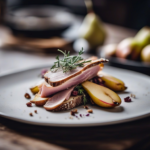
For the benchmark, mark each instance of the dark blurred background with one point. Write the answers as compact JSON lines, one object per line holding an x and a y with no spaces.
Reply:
{"x":44,"y":26}
{"x":128,"y":13}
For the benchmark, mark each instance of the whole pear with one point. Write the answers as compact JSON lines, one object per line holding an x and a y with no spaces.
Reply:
{"x":145,"y":54}
{"x":143,"y":39}
{"x":109,"y":50}
{"x":92,"y":30}
{"x":126,"y":47}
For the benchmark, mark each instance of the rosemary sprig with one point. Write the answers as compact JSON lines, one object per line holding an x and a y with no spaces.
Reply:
{"x":69,"y":63}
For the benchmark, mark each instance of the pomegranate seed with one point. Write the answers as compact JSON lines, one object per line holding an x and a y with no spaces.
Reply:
{"x":95,"y":80}
{"x":127,"y":99}
{"x":80,"y":115}
{"x":87,"y":114}
{"x":29,"y":104}
{"x":102,"y":84}
{"x":74,"y":93}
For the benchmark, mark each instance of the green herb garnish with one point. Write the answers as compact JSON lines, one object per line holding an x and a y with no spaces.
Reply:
{"x":81,"y":91}
{"x":69,"y":63}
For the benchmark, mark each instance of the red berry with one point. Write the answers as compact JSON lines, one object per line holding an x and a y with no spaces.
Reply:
{"x":74,"y":93}
{"x":29,"y":104}
{"x":127,"y":99}
{"x":95,"y":80}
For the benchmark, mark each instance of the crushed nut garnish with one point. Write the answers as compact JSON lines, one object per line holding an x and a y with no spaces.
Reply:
{"x":73,"y":112}
{"x":86,"y":107}
{"x":35,"y":111}
{"x":29,"y":104}
{"x":126,"y":87}
{"x":70,"y":117}
{"x":30,"y":114}
{"x":132,"y":95}
{"x":27,"y":96}
{"x":100,"y":80}
{"x":90,"y":111}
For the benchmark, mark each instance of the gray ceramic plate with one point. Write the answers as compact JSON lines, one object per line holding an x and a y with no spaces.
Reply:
{"x":13,"y":104}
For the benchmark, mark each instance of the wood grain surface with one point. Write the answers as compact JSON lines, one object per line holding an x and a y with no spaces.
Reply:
{"x":126,"y":136}
{"x":18,"y":136}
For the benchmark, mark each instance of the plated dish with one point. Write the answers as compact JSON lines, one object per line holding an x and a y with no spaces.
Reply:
{"x":125,"y":106}
{"x":73,"y":81}
{"x":13,"y":103}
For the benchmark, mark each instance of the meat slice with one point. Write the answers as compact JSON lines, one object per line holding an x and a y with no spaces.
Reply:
{"x":47,"y":90}
{"x":57,"y":78}
{"x":58,"y":99}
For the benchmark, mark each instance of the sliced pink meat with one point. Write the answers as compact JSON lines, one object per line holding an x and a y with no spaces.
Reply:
{"x":59,"y":77}
{"x":58,"y":99}
{"x":48,"y":90}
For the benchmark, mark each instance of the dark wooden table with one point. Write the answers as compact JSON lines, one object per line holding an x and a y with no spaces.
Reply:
{"x":19,"y":136}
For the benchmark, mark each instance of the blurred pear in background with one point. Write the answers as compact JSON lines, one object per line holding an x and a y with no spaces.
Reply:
{"x":92,"y":29}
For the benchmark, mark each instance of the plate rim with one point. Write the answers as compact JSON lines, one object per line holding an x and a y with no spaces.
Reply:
{"x":74,"y":124}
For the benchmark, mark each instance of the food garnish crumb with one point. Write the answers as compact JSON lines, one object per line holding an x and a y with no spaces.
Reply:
{"x":80,"y":115}
{"x":87,"y":114}
{"x":132,"y":95}
{"x":35,"y":111}
{"x":27,"y":96}
{"x":90,"y":111}
{"x":30,"y":114}
{"x":86,"y":107}
{"x":74,"y":93}
{"x":77,"y":116}
{"x":71,"y":117}
{"x":29,"y":104}
{"x":73,"y":112}
{"x":127,"y":99}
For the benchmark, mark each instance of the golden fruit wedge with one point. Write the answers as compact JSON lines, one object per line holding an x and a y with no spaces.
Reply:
{"x":101,"y":95}
{"x":38,"y":100}
{"x":34,"y":89}
{"x":111,"y":82}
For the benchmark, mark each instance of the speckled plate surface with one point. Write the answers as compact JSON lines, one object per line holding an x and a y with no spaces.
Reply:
{"x":13,"y":103}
